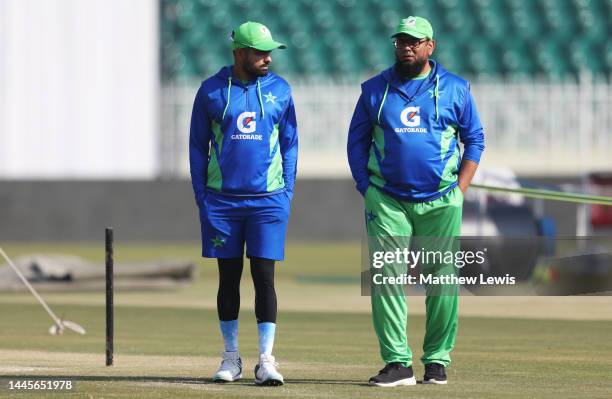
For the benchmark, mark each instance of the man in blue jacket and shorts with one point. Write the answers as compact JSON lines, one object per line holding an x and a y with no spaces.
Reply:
{"x":243,"y":154}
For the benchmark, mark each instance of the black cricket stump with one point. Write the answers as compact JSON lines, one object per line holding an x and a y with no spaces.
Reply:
{"x":109,"y":296}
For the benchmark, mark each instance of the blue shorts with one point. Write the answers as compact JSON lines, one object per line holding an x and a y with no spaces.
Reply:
{"x":229,"y":222}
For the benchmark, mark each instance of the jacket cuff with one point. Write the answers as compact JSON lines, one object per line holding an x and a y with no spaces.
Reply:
{"x":362,"y":188}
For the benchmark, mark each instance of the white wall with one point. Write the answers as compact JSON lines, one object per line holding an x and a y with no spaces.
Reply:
{"x":78,"y":88}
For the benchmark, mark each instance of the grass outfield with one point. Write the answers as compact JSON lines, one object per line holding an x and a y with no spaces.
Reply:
{"x":167,"y":343}
{"x":170,"y":352}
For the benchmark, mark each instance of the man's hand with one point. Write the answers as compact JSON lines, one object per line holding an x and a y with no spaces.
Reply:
{"x":466,"y":174}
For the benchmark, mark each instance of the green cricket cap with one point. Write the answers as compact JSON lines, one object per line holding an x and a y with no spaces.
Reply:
{"x":416,"y":27}
{"x":254,"y":35}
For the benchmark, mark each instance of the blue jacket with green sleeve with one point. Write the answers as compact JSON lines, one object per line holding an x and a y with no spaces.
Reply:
{"x":243,"y":137}
{"x":404,"y":135}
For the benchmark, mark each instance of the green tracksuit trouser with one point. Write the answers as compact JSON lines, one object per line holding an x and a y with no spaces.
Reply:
{"x":398,"y":221}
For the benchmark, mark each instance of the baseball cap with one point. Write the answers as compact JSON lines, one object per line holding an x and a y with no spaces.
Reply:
{"x":254,"y":35}
{"x":416,"y":27}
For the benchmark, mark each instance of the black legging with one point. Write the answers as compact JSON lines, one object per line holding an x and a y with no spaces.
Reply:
{"x":228,"y":296}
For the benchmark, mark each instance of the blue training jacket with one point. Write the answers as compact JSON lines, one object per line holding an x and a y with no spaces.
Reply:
{"x":243,"y":138}
{"x":406,"y":144}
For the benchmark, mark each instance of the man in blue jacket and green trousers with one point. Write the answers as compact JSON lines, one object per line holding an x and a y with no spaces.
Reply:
{"x":243,"y":153}
{"x":404,"y":155}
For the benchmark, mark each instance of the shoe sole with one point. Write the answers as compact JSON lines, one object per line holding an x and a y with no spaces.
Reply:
{"x":398,"y":383}
{"x":269,"y":383}
{"x":222,"y":381}
{"x":433,"y":381}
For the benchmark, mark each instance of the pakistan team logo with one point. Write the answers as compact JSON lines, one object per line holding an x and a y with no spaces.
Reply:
{"x":218,"y":241}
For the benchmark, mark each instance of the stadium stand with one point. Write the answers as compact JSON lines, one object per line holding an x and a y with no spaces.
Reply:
{"x":552,"y":39}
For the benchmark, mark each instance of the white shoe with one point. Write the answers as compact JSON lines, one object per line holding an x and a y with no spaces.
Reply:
{"x":266,"y":373}
{"x":231,"y":368}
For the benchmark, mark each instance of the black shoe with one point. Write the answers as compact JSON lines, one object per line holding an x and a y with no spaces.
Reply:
{"x":393,"y":375}
{"x":434,"y":374}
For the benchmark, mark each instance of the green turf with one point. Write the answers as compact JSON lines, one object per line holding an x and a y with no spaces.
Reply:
{"x":330,"y":354}
{"x":166,"y":348}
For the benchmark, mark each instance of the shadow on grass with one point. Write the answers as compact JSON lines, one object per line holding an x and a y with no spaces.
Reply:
{"x":175,"y":380}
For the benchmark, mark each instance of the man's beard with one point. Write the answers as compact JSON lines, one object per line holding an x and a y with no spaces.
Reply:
{"x":254,"y":72}
{"x":410,"y":70}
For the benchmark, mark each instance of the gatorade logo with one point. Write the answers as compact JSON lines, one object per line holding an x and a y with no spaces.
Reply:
{"x":410,"y":116}
{"x":412,"y":120}
{"x":246,"y":122}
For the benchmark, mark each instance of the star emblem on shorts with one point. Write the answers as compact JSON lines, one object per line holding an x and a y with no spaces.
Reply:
{"x":218,"y":241}
{"x":370,"y":216}
{"x":270,"y":98}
